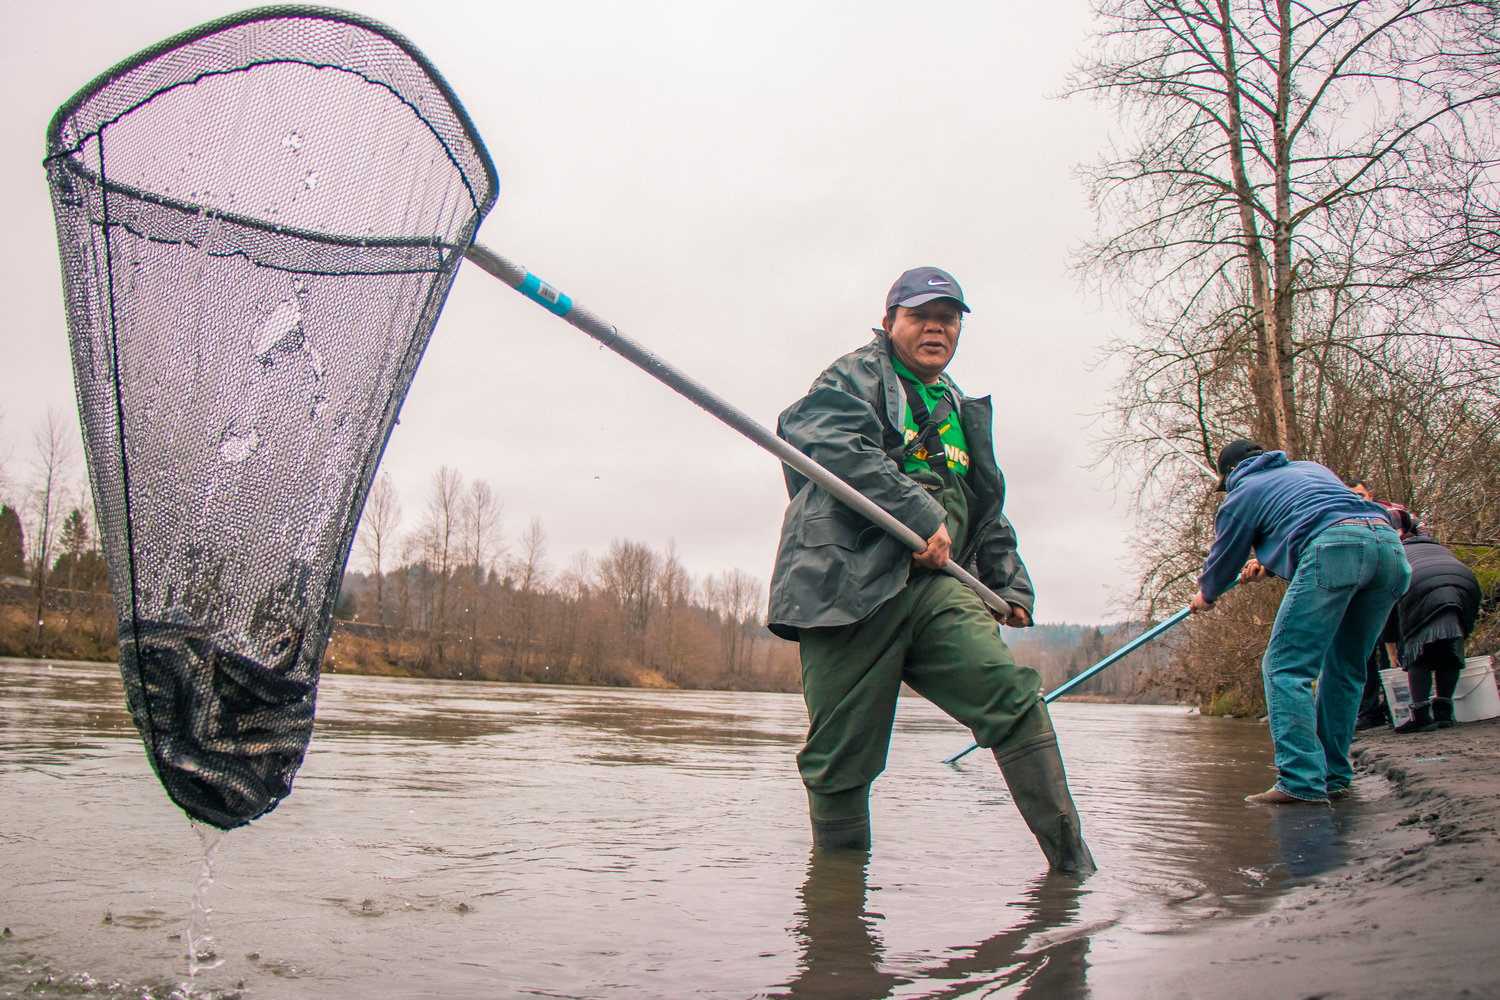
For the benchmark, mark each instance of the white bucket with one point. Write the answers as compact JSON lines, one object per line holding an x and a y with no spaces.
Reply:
{"x":1398,"y":694}
{"x":1476,"y":696}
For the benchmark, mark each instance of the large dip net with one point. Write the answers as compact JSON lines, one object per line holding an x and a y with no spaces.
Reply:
{"x":259,"y":221}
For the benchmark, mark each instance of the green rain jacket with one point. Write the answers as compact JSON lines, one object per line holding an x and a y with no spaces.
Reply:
{"x":834,"y":567}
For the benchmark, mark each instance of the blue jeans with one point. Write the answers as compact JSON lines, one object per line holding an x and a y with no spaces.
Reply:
{"x":1348,"y":579}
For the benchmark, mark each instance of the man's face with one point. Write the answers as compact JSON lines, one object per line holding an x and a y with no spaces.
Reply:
{"x":1363,"y":491}
{"x":925,"y":336}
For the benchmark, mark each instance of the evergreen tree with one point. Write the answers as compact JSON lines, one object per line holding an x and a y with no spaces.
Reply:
{"x":75,"y":541}
{"x":12,"y":543}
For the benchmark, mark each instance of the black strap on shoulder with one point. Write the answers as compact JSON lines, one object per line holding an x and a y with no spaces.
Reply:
{"x":928,"y":424}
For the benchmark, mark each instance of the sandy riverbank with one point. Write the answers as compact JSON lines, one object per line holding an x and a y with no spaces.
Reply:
{"x":1411,"y":912}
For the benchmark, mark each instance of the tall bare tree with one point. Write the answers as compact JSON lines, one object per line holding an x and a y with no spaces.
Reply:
{"x":630,"y":574}
{"x":1300,"y":215}
{"x":439,"y":533}
{"x":408,"y":597}
{"x":529,"y":574}
{"x":1288,"y":157}
{"x":378,"y":524}
{"x":573,"y":589}
{"x":531,"y":564}
{"x":51,"y":468}
{"x":481,"y":546}
{"x":736,"y":596}
{"x":676,"y":588}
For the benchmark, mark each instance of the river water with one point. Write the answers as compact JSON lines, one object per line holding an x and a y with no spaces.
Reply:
{"x":454,"y":839}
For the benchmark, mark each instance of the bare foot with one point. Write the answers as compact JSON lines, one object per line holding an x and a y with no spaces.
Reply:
{"x":1276,"y":797}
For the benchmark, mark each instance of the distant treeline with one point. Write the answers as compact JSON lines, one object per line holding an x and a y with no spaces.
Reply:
{"x":451,"y":597}
{"x":80,"y":624}
{"x":462,"y":601}
{"x":634,"y":617}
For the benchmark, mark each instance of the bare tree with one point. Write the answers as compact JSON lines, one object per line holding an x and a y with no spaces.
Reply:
{"x":378,"y":524}
{"x":1400,"y":415}
{"x":51,"y":468}
{"x":481,"y":547}
{"x":630,"y":574}
{"x":1302,"y":220}
{"x":1291,"y":157}
{"x":408,"y":603}
{"x":736,"y":596}
{"x":529,"y":572}
{"x":676,"y":588}
{"x":439,"y":531}
{"x":573,"y":592}
{"x":531,"y":566}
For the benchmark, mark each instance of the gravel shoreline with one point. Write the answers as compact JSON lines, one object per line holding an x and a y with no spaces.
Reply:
{"x":1410,"y":913}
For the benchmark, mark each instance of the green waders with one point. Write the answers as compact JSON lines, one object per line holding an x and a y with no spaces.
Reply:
{"x":938,"y":637}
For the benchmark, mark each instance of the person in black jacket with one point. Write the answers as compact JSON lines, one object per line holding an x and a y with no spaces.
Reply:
{"x":1372,"y":707}
{"x":1436,"y":615}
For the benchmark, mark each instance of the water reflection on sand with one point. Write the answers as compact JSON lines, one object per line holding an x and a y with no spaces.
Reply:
{"x":450,"y":839}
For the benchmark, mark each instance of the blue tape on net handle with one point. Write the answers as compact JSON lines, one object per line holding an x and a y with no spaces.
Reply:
{"x":545,"y":295}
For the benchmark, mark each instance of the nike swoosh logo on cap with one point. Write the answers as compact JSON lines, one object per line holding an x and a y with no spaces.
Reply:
{"x":934,"y":281}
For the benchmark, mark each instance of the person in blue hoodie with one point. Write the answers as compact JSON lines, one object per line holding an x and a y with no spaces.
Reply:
{"x":1346,"y":570}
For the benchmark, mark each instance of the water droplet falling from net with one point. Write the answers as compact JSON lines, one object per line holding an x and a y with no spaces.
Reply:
{"x":258,"y":221}
{"x":201,"y":954}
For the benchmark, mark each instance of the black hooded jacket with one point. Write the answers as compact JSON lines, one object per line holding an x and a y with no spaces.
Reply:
{"x":1439,"y":584}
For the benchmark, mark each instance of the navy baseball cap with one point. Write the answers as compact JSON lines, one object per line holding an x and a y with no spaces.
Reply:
{"x":923,"y":284}
{"x":1233,"y":454}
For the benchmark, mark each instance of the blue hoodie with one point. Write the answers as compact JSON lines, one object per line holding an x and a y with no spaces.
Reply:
{"x":1276,"y":507}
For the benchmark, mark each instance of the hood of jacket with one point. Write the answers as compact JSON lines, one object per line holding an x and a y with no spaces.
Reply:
{"x":1257,"y":463}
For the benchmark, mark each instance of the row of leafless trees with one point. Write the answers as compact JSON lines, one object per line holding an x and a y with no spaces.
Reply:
{"x":46,"y":526}
{"x":449,"y":596}
{"x":1303,"y":218}
{"x":445,"y":596}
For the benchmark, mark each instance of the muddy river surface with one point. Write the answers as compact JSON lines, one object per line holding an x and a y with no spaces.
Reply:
{"x":453,"y":839}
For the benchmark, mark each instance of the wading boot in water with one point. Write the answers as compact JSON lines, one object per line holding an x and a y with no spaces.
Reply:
{"x":1421,"y":718}
{"x":1442,"y":713}
{"x":841,"y":821}
{"x":1038,"y":785}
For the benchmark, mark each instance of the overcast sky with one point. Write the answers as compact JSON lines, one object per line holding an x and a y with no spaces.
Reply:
{"x":735,"y":187}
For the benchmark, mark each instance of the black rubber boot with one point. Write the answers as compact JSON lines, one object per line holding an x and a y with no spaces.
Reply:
{"x":841,"y":821}
{"x":1421,"y":718}
{"x":1442,"y":713}
{"x":1038,"y":785}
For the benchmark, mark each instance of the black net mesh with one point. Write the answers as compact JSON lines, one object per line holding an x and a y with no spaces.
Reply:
{"x":259,"y":221}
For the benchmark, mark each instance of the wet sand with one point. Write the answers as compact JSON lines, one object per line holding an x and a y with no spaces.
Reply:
{"x":1412,"y":913}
